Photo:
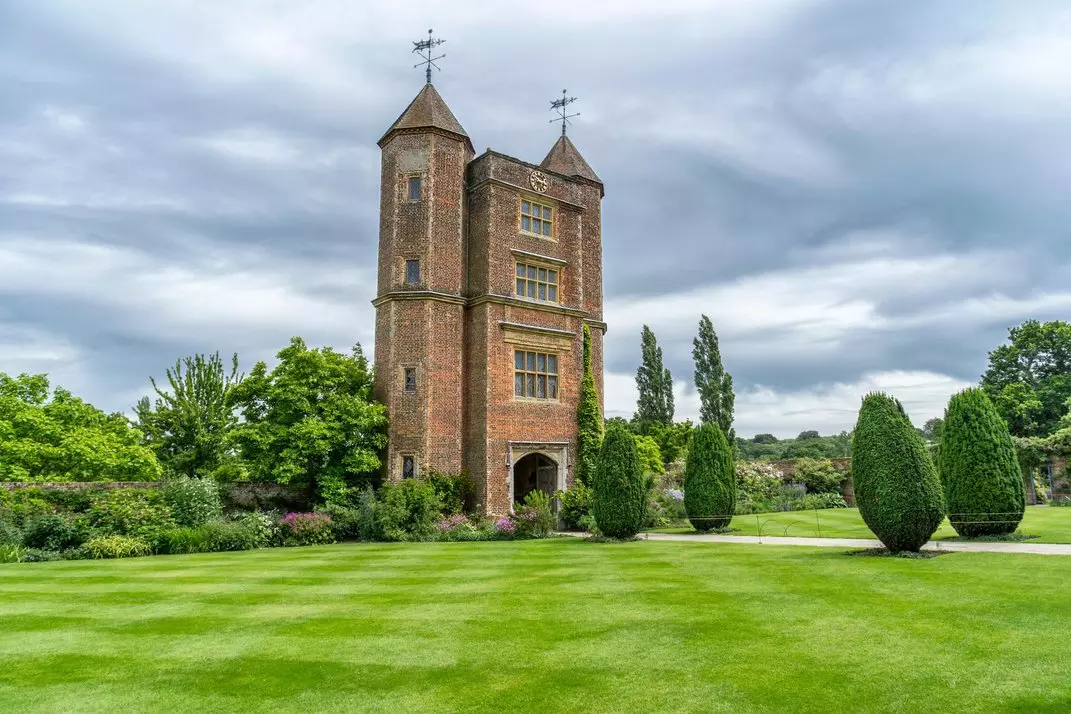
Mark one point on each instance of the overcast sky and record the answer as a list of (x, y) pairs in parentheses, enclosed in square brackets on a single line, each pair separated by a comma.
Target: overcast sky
[(861, 194)]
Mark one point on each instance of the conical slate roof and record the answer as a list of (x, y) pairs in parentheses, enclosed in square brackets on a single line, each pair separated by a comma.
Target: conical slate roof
[(427, 111), (564, 158)]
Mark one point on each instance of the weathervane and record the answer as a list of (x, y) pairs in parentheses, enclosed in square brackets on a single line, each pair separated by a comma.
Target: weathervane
[(426, 49), (560, 105)]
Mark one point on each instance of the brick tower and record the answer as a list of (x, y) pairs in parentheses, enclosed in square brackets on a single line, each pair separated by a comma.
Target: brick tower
[(489, 267)]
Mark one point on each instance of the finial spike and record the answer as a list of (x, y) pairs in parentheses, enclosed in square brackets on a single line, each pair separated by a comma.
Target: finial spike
[(560, 105), (426, 50)]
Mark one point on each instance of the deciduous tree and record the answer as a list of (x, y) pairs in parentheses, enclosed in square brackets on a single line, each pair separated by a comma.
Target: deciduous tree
[(654, 383), (311, 421), (712, 382)]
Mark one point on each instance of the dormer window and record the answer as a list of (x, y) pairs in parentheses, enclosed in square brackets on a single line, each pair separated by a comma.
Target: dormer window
[(413, 187), (537, 219)]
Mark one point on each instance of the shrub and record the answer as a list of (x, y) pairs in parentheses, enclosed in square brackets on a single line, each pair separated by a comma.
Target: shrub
[(116, 546), (229, 535), (505, 527), (181, 540), (261, 525), (619, 496), (9, 533), (193, 501), (407, 510), (306, 529), (649, 455), (367, 515), (131, 512), (757, 481), (575, 502), (458, 527), (39, 555), (346, 521), (11, 553), (455, 491), (709, 480), (819, 475), (982, 481), (820, 501), (53, 532), (534, 518), (896, 485), (21, 504), (589, 424)]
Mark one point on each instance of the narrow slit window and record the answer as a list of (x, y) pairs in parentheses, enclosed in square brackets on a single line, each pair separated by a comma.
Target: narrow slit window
[(413, 185), (535, 375), (410, 379), (408, 467), (537, 219), (536, 283), (412, 272)]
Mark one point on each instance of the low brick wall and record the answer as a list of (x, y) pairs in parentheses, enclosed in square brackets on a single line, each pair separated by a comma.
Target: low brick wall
[(240, 495)]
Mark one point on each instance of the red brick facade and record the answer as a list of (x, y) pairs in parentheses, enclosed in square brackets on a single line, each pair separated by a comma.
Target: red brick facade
[(459, 325)]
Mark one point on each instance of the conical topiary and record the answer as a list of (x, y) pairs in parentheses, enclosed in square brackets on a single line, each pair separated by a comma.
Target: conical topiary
[(896, 485), (979, 471), (709, 480), (619, 496)]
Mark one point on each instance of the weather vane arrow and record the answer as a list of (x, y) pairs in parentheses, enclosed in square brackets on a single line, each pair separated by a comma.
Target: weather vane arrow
[(560, 106), (426, 50)]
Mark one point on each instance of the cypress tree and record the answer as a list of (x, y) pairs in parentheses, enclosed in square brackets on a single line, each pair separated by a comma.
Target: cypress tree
[(896, 485), (709, 480), (654, 384), (712, 382), (619, 496), (588, 418), (979, 470)]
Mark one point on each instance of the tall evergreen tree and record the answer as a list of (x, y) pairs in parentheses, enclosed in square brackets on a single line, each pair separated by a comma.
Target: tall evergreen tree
[(654, 383), (714, 384), (709, 480), (979, 470), (588, 418), (619, 495), (187, 426), (896, 485)]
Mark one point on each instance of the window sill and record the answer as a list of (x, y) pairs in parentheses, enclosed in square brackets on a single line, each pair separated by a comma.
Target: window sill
[(536, 400), (537, 301), (530, 234)]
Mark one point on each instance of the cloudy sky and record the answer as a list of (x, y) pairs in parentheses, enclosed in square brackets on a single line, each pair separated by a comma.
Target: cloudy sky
[(861, 194)]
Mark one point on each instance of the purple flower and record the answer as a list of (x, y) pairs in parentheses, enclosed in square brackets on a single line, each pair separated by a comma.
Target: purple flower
[(675, 494), (505, 525)]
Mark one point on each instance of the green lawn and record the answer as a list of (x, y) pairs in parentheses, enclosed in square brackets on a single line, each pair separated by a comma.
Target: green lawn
[(552, 626), (1050, 525)]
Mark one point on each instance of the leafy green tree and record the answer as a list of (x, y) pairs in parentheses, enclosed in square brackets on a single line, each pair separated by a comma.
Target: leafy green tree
[(55, 436), (311, 421), (931, 430), (809, 434), (1029, 379), (188, 426), (650, 456), (672, 439), (709, 479), (712, 382), (896, 485), (654, 383), (764, 439), (978, 466), (588, 418), (619, 495)]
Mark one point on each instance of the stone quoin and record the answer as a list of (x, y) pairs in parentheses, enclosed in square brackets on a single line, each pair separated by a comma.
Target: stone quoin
[(489, 267)]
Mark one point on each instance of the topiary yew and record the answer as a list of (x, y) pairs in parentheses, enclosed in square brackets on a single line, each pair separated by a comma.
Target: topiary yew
[(896, 485), (619, 497), (979, 470), (709, 480)]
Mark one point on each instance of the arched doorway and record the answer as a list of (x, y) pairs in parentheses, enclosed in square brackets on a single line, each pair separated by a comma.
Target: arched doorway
[(534, 472)]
